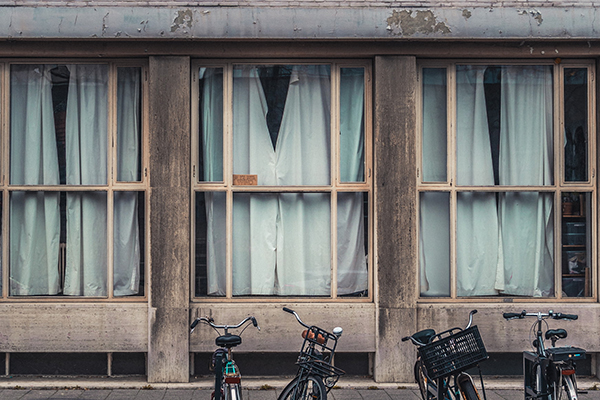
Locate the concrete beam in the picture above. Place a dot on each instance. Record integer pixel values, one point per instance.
(316, 23)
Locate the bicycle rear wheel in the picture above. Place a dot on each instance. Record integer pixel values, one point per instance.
(570, 388)
(309, 387)
(232, 391)
(426, 385)
(467, 389)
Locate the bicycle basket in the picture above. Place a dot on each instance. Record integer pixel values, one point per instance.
(318, 344)
(453, 354)
(329, 373)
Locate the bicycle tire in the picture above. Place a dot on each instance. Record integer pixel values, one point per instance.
(467, 389)
(310, 387)
(232, 391)
(570, 387)
(423, 380)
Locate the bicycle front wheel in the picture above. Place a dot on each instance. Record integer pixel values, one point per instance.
(426, 385)
(467, 389)
(309, 387)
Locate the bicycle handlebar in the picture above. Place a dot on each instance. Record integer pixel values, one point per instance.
(540, 315)
(211, 322)
(337, 331)
(418, 343)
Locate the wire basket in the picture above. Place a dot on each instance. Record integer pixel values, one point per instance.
(452, 354)
(318, 344)
(329, 373)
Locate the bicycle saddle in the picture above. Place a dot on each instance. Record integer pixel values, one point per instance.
(228, 340)
(424, 336)
(559, 333)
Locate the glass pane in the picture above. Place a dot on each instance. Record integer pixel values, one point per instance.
(576, 245)
(352, 124)
(129, 135)
(353, 244)
(434, 243)
(128, 252)
(434, 125)
(504, 125)
(504, 244)
(210, 246)
(576, 124)
(58, 124)
(58, 243)
(281, 244)
(281, 124)
(211, 125)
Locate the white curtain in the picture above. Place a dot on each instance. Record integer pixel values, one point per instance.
(126, 225)
(303, 149)
(526, 159)
(34, 216)
(254, 215)
(211, 134)
(86, 145)
(477, 233)
(504, 240)
(352, 262)
(282, 242)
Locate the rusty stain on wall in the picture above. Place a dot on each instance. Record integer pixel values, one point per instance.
(408, 23)
(183, 20)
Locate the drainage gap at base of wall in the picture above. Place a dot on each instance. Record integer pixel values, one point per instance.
(73, 364)
(279, 364)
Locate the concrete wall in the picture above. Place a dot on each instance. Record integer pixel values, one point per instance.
(160, 325)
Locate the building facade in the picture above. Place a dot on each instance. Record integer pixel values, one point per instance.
(361, 162)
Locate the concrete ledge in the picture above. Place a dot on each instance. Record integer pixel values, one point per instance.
(253, 383)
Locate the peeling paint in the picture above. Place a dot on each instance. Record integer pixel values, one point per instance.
(184, 19)
(466, 13)
(404, 23)
(537, 16)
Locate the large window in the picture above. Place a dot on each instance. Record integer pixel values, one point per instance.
(282, 205)
(75, 191)
(506, 181)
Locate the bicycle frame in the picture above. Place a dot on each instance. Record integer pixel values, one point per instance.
(547, 370)
(227, 375)
(315, 359)
(449, 384)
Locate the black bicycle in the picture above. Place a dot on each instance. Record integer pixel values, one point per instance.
(228, 380)
(442, 359)
(316, 373)
(549, 372)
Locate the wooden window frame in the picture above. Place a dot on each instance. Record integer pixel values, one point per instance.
(333, 189)
(110, 188)
(452, 189)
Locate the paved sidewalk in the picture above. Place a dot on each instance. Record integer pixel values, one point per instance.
(255, 389)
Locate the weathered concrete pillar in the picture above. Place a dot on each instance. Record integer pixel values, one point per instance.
(395, 181)
(169, 109)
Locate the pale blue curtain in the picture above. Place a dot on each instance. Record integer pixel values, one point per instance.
(351, 256)
(526, 158)
(504, 239)
(86, 144)
(478, 232)
(126, 259)
(34, 216)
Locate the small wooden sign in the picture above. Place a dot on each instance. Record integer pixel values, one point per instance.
(245, 180)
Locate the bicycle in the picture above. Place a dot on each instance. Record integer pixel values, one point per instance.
(547, 372)
(316, 373)
(442, 359)
(228, 380)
